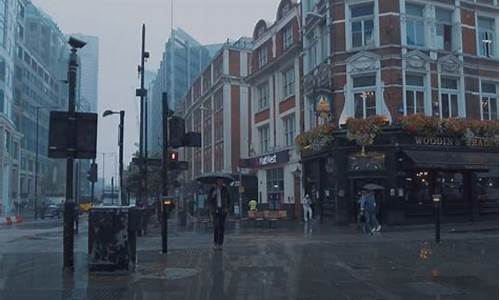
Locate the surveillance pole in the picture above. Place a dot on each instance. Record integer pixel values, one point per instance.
(141, 130)
(164, 175)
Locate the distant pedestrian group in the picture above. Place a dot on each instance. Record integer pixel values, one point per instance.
(368, 212)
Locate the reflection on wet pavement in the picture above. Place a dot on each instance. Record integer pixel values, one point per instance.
(284, 264)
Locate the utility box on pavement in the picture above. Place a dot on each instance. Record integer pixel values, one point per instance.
(111, 242)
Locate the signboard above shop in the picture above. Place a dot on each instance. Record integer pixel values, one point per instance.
(265, 160)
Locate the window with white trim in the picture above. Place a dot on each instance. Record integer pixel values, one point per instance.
(415, 25)
(312, 113)
(449, 97)
(444, 29)
(364, 87)
(287, 37)
(288, 82)
(362, 25)
(262, 56)
(264, 138)
(487, 36)
(414, 94)
(289, 126)
(489, 101)
(312, 50)
(263, 96)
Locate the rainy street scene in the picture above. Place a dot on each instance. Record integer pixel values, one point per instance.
(265, 149)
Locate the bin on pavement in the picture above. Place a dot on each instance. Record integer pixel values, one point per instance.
(111, 244)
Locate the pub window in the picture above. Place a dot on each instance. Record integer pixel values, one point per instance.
(486, 36)
(414, 94)
(364, 95)
(444, 29)
(449, 98)
(415, 25)
(489, 101)
(264, 138)
(362, 23)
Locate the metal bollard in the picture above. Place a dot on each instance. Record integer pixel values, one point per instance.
(436, 198)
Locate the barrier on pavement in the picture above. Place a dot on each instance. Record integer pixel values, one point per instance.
(11, 220)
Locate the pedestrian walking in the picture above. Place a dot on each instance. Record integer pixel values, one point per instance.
(219, 202)
(307, 208)
(369, 210)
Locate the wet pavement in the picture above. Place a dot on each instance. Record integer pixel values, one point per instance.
(292, 261)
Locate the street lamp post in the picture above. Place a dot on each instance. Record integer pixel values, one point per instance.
(120, 145)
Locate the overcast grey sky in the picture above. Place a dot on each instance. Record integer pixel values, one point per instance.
(118, 23)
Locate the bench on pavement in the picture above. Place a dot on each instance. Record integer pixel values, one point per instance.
(271, 216)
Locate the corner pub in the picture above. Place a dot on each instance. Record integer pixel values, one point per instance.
(406, 167)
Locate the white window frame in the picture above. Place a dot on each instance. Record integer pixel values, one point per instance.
(262, 55)
(414, 89)
(449, 92)
(439, 24)
(372, 90)
(489, 96)
(288, 82)
(494, 46)
(373, 17)
(287, 37)
(415, 20)
(262, 102)
(289, 130)
(312, 50)
(264, 138)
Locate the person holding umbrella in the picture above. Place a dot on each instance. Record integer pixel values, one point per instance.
(219, 202)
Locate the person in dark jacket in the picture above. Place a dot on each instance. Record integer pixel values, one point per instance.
(219, 201)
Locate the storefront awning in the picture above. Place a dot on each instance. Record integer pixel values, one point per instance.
(453, 160)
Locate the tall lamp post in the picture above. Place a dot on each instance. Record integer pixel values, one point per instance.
(120, 145)
(36, 154)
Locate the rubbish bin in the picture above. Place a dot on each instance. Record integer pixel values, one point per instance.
(109, 247)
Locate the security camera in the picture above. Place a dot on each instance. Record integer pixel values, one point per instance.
(76, 43)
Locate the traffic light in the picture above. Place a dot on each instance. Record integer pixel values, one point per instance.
(92, 173)
(176, 131)
(174, 163)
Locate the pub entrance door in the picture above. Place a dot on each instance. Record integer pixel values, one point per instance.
(357, 184)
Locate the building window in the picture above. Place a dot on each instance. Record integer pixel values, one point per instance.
(364, 96)
(362, 25)
(275, 186)
(263, 94)
(312, 51)
(288, 82)
(444, 29)
(289, 125)
(415, 25)
(262, 54)
(7, 141)
(486, 36)
(2, 102)
(311, 108)
(287, 37)
(414, 94)
(449, 98)
(264, 138)
(489, 101)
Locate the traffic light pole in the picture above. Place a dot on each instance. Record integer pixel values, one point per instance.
(92, 183)
(120, 144)
(164, 176)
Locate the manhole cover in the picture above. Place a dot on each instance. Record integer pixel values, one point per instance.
(167, 274)
(433, 289)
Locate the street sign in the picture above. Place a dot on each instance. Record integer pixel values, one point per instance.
(72, 135)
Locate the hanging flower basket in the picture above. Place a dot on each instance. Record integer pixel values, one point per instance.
(317, 138)
(364, 131)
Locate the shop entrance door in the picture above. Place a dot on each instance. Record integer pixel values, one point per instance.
(357, 185)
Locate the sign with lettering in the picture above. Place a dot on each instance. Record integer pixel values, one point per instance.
(452, 141)
(265, 160)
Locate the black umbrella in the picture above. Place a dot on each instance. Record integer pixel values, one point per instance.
(211, 178)
(372, 186)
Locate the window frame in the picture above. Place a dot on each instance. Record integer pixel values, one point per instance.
(288, 76)
(449, 92)
(438, 24)
(488, 96)
(262, 55)
(264, 139)
(289, 127)
(414, 89)
(480, 43)
(287, 37)
(414, 19)
(363, 20)
(359, 90)
(263, 102)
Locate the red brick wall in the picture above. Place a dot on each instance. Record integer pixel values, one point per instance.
(295, 31)
(234, 63)
(389, 29)
(388, 6)
(279, 41)
(338, 42)
(235, 126)
(262, 116)
(393, 97)
(287, 104)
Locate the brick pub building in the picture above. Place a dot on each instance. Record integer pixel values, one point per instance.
(397, 58)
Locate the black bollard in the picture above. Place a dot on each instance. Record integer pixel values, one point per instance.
(437, 213)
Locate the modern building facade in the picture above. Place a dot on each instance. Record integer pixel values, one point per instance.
(397, 59)
(216, 105)
(9, 135)
(40, 60)
(183, 60)
(275, 110)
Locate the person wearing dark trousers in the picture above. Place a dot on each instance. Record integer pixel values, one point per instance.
(219, 203)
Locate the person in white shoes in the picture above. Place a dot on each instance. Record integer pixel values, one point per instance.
(306, 205)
